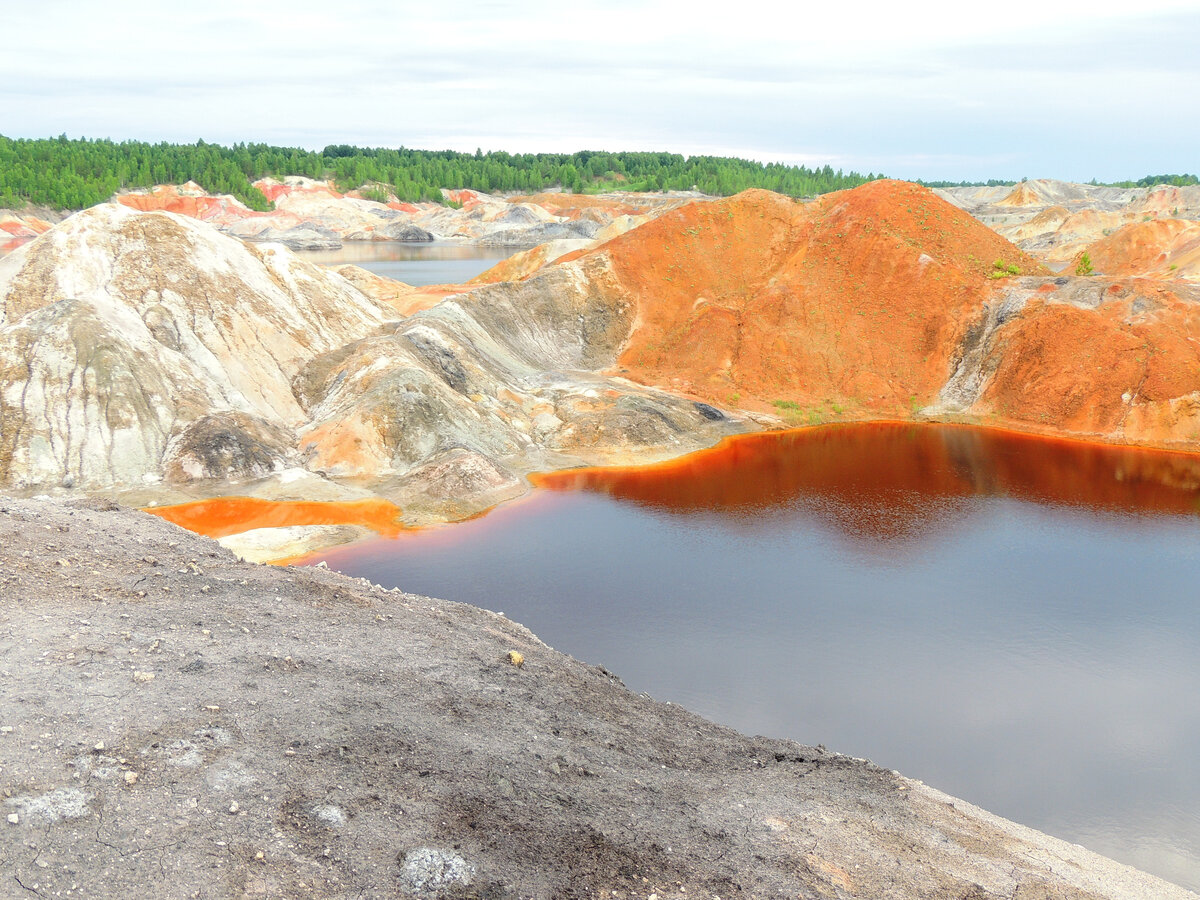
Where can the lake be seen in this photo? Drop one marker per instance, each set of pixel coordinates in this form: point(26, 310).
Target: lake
point(1013, 620)
point(416, 264)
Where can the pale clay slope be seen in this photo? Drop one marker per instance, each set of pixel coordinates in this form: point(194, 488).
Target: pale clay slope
point(138, 347)
point(120, 330)
point(1056, 221)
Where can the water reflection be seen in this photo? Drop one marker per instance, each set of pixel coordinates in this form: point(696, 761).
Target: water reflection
point(895, 482)
point(416, 264)
point(1010, 619)
point(223, 516)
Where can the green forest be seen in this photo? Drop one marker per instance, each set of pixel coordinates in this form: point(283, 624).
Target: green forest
point(66, 173)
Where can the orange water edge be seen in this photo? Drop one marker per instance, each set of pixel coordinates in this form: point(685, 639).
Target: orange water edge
point(224, 516)
point(884, 461)
point(885, 464)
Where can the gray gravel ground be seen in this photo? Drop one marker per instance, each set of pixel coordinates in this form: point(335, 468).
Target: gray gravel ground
point(176, 723)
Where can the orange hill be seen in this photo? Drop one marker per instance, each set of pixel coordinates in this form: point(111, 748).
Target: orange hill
point(1166, 248)
point(856, 300)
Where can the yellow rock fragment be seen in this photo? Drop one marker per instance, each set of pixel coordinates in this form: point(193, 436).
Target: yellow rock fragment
point(516, 658)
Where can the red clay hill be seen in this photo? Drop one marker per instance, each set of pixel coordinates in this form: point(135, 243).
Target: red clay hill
point(885, 302)
point(858, 299)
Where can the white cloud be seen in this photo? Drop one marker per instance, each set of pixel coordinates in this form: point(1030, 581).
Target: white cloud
point(925, 89)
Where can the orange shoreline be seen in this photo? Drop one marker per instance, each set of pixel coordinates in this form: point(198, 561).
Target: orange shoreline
point(749, 468)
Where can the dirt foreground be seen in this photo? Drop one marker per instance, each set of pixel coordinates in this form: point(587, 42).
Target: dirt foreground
point(176, 723)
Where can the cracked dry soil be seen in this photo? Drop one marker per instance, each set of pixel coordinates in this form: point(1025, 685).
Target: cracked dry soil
point(176, 723)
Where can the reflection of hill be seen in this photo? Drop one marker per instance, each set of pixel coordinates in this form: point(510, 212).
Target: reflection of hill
point(231, 515)
point(897, 481)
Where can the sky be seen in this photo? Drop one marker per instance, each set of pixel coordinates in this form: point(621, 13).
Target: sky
point(956, 91)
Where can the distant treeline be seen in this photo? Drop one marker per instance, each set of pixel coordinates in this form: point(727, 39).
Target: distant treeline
point(1148, 181)
point(65, 173)
point(1152, 180)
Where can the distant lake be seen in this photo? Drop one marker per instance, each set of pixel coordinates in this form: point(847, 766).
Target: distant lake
point(1013, 620)
point(416, 264)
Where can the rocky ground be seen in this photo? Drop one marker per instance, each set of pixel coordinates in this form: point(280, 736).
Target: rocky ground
point(175, 723)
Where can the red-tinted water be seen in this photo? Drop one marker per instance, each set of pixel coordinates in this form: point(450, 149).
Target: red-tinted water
point(882, 480)
point(1009, 618)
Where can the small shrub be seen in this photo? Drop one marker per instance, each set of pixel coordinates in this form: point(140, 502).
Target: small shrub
point(1085, 265)
point(378, 194)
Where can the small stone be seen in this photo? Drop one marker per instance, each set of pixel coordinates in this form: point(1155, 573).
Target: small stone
point(131, 778)
point(259, 855)
point(213, 708)
point(143, 677)
point(6, 729)
point(516, 658)
point(14, 819)
point(99, 746)
point(430, 870)
point(63, 563)
point(233, 807)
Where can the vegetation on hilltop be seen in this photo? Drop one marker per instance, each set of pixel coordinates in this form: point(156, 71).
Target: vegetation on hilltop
point(68, 173)
point(1153, 180)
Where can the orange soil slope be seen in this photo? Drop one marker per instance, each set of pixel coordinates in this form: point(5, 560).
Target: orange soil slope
point(1127, 370)
point(1023, 194)
point(1166, 248)
point(857, 299)
point(522, 264)
point(572, 206)
point(191, 201)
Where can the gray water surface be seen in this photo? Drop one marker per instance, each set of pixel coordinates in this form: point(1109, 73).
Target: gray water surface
point(416, 264)
point(1034, 654)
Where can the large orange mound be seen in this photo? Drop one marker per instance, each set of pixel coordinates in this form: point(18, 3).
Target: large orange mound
point(1164, 248)
point(851, 304)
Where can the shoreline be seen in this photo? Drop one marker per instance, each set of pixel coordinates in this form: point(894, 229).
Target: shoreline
point(259, 549)
point(194, 721)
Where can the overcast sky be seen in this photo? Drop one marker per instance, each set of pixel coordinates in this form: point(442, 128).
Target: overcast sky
point(1068, 89)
